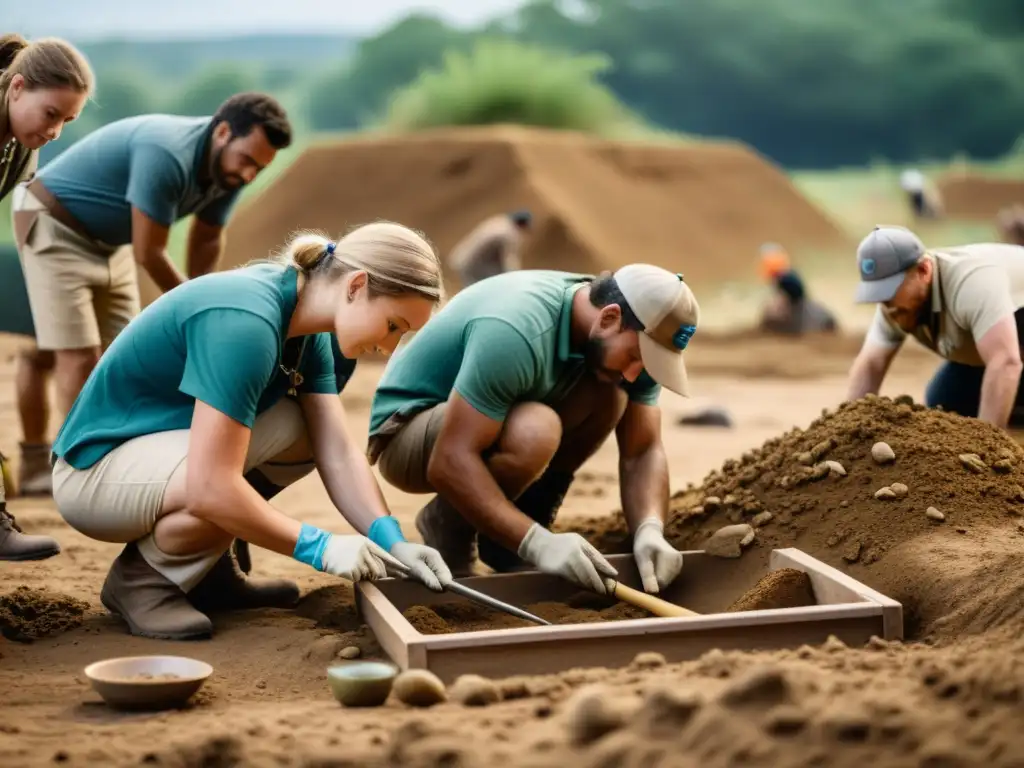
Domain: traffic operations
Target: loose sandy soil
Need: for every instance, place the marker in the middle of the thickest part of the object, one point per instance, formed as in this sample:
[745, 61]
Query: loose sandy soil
[268, 701]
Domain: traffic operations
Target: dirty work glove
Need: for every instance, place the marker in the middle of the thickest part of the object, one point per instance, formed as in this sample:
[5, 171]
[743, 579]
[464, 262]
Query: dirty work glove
[658, 561]
[352, 557]
[425, 563]
[568, 555]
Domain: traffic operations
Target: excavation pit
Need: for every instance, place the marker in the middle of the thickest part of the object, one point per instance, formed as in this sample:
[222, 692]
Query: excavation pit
[450, 636]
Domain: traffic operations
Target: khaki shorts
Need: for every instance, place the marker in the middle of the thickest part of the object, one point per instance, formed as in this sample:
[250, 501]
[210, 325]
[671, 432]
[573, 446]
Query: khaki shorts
[82, 292]
[120, 497]
[404, 460]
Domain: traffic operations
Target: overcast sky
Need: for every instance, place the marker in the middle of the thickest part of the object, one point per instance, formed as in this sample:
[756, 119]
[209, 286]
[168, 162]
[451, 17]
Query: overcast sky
[91, 19]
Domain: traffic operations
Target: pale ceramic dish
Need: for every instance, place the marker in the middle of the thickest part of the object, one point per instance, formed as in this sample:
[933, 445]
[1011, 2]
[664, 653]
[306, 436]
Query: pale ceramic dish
[362, 683]
[148, 682]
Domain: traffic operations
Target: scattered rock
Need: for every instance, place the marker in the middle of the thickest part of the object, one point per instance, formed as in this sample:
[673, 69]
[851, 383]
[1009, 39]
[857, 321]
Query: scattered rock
[730, 540]
[852, 553]
[589, 714]
[1003, 466]
[973, 462]
[648, 660]
[351, 652]
[882, 453]
[885, 493]
[711, 503]
[933, 514]
[899, 489]
[835, 468]
[761, 519]
[474, 691]
[713, 416]
[419, 688]
[805, 458]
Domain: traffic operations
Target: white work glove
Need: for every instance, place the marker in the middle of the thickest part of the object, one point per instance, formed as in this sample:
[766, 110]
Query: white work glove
[425, 562]
[568, 555]
[353, 557]
[658, 561]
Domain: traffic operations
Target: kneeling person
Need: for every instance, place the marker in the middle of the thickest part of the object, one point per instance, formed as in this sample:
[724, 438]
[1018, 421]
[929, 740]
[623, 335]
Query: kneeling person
[220, 377]
[504, 395]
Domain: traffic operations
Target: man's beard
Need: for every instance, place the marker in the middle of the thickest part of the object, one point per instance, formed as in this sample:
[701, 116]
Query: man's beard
[221, 179]
[593, 359]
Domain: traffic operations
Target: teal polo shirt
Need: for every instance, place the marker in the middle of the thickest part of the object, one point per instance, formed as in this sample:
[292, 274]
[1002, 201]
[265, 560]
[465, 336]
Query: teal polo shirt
[152, 162]
[499, 342]
[220, 338]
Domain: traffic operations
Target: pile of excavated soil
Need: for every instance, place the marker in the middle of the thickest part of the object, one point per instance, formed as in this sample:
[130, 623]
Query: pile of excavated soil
[29, 614]
[581, 608]
[963, 574]
[783, 588]
[597, 204]
[978, 197]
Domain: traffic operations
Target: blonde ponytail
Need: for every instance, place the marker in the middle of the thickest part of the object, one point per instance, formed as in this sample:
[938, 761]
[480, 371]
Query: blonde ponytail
[396, 259]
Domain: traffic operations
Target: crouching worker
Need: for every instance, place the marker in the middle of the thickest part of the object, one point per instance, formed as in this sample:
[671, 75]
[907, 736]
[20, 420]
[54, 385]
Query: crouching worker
[215, 379]
[510, 388]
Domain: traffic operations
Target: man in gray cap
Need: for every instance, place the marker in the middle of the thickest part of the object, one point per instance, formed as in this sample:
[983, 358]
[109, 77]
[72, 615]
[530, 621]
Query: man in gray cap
[963, 302]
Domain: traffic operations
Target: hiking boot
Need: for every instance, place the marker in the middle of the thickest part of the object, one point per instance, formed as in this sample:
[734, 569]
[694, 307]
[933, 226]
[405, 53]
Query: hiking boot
[35, 476]
[16, 545]
[540, 502]
[444, 529]
[150, 604]
[225, 588]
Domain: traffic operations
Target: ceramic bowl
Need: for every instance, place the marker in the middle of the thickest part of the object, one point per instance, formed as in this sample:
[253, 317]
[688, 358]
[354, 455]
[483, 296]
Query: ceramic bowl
[361, 683]
[148, 682]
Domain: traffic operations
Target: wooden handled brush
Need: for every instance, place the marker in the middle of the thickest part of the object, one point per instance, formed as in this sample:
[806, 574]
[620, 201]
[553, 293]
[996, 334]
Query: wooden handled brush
[649, 603]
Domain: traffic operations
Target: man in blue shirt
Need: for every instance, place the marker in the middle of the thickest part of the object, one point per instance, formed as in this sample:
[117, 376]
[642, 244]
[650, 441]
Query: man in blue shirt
[127, 184]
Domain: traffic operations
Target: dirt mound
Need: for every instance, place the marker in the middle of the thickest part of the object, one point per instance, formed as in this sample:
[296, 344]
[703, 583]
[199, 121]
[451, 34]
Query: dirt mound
[977, 197]
[701, 209]
[955, 576]
[784, 588]
[29, 614]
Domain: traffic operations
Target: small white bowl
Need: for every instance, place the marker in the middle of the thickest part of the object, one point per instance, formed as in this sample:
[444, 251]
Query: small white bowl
[361, 683]
[148, 682]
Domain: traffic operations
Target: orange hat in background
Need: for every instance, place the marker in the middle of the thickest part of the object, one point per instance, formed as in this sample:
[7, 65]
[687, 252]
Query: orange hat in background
[774, 261]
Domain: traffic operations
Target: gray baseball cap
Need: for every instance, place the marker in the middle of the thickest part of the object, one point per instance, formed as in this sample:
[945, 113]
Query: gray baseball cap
[883, 258]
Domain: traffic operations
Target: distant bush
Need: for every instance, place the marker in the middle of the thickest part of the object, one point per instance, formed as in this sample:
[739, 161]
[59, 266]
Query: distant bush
[502, 81]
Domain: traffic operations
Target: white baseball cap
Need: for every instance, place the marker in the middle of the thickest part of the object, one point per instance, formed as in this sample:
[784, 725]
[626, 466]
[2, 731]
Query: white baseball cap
[669, 312]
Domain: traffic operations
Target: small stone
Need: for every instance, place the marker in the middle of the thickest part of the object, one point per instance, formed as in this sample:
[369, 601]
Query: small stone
[805, 458]
[933, 514]
[844, 503]
[973, 462]
[852, 553]
[885, 493]
[711, 503]
[590, 715]
[882, 453]
[835, 468]
[419, 688]
[730, 498]
[1003, 466]
[474, 691]
[729, 541]
[762, 519]
[351, 652]
[961, 530]
[648, 660]
[899, 489]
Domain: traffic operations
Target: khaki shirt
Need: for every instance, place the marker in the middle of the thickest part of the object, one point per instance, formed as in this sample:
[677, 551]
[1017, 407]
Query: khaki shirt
[974, 287]
[490, 249]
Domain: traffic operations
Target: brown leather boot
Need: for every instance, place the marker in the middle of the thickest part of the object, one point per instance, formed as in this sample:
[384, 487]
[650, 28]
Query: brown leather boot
[35, 476]
[151, 605]
[225, 588]
[14, 544]
[444, 529]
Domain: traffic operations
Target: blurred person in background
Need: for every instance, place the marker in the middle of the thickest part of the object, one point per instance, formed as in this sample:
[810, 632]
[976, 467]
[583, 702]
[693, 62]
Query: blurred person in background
[790, 310]
[492, 248]
[1011, 224]
[126, 184]
[966, 303]
[924, 199]
[44, 85]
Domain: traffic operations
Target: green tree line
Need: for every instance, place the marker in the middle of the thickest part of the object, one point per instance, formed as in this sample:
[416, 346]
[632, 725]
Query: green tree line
[809, 84]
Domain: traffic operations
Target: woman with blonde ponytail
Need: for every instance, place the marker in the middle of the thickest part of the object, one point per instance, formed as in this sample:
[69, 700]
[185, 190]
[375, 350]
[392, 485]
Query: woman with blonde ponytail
[231, 378]
[43, 86]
